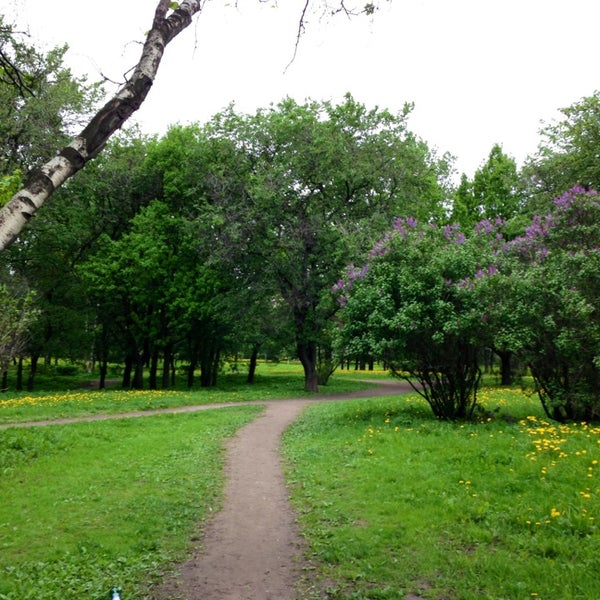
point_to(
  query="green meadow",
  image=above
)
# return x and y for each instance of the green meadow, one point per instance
(89, 506)
(395, 504)
(392, 503)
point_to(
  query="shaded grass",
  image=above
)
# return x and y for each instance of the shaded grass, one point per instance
(394, 502)
(89, 506)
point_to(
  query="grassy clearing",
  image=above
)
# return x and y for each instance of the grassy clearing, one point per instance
(89, 506)
(273, 382)
(395, 503)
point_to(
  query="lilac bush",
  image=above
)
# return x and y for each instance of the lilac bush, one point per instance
(542, 290)
(432, 297)
(405, 309)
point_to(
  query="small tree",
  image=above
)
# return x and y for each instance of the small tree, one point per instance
(541, 292)
(410, 308)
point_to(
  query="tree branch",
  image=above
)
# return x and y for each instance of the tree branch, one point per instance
(42, 182)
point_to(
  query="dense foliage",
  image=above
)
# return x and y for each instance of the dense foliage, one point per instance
(226, 239)
(540, 292)
(431, 299)
(314, 183)
(41, 101)
(567, 154)
(408, 307)
(221, 239)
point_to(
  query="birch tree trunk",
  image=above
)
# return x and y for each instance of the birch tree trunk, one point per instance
(43, 181)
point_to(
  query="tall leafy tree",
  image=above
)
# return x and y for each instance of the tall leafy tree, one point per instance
(464, 205)
(567, 155)
(130, 283)
(496, 191)
(100, 201)
(41, 102)
(318, 180)
(496, 187)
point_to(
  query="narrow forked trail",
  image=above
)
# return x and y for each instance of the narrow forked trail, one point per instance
(252, 548)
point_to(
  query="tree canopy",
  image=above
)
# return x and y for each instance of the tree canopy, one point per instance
(318, 181)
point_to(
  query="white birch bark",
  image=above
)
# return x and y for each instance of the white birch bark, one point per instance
(43, 181)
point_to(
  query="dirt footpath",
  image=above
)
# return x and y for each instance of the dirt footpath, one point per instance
(251, 549)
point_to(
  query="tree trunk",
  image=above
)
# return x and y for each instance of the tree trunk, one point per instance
(103, 371)
(215, 368)
(307, 354)
(20, 374)
(505, 367)
(167, 360)
(153, 377)
(4, 384)
(190, 373)
(206, 364)
(138, 373)
(32, 372)
(253, 361)
(42, 182)
(127, 372)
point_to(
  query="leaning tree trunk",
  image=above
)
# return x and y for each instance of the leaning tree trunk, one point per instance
(43, 181)
(253, 363)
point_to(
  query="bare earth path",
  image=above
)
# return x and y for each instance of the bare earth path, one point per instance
(252, 546)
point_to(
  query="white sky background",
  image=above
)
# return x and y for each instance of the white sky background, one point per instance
(479, 72)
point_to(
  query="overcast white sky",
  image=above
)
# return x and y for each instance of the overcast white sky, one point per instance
(479, 72)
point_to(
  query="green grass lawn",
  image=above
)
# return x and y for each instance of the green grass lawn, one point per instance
(89, 506)
(394, 503)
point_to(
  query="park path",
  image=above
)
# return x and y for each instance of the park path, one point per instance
(252, 549)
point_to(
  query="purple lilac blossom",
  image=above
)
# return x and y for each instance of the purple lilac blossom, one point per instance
(566, 200)
(452, 233)
(400, 225)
